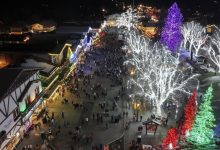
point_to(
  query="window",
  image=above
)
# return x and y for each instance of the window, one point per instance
(16, 114)
(37, 90)
(3, 136)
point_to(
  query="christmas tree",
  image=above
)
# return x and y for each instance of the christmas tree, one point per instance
(189, 114)
(202, 130)
(171, 139)
(171, 34)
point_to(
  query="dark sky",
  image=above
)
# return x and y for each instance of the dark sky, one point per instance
(12, 11)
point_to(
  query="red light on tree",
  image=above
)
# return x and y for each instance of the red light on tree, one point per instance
(171, 139)
(189, 113)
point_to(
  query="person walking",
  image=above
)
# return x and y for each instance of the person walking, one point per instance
(52, 117)
(101, 119)
(106, 125)
(62, 114)
(93, 116)
(72, 148)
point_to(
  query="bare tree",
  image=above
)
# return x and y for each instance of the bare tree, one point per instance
(159, 75)
(213, 50)
(127, 19)
(194, 37)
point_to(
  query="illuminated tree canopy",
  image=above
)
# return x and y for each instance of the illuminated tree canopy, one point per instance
(170, 141)
(127, 19)
(202, 130)
(159, 75)
(171, 34)
(189, 113)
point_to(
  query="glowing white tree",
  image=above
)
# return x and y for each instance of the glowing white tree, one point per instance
(213, 50)
(137, 42)
(127, 19)
(159, 75)
(168, 79)
(194, 37)
(139, 54)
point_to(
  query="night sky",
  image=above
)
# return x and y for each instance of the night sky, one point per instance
(17, 11)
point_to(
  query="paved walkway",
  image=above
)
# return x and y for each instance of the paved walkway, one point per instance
(101, 134)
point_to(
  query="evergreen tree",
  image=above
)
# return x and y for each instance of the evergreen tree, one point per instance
(171, 35)
(189, 113)
(169, 142)
(202, 130)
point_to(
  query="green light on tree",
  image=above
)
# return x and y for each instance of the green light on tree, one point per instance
(202, 130)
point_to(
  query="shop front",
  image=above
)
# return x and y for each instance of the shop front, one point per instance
(32, 115)
(14, 140)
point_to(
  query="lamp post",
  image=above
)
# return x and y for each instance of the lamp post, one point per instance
(137, 107)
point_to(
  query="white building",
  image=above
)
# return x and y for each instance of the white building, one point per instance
(20, 95)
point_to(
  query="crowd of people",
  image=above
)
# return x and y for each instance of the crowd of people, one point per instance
(106, 63)
(98, 62)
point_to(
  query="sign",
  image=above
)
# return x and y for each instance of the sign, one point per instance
(151, 128)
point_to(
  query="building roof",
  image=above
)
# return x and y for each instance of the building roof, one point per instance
(72, 29)
(11, 78)
(40, 43)
(46, 67)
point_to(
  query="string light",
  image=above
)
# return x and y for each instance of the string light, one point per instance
(170, 141)
(189, 114)
(171, 35)
(158, 73)
(127, 19)
(202, 130)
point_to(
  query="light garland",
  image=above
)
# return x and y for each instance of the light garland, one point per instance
(158, 74)
(202, 130)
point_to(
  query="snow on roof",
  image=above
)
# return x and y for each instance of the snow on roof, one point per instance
(33, 63)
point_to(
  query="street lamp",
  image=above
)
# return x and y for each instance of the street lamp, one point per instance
(132, 72)
(136, 106)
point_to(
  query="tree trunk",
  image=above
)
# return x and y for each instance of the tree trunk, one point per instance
(191, 58)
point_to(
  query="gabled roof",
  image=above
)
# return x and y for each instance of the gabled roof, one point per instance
(46, 67)
(11, 78)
